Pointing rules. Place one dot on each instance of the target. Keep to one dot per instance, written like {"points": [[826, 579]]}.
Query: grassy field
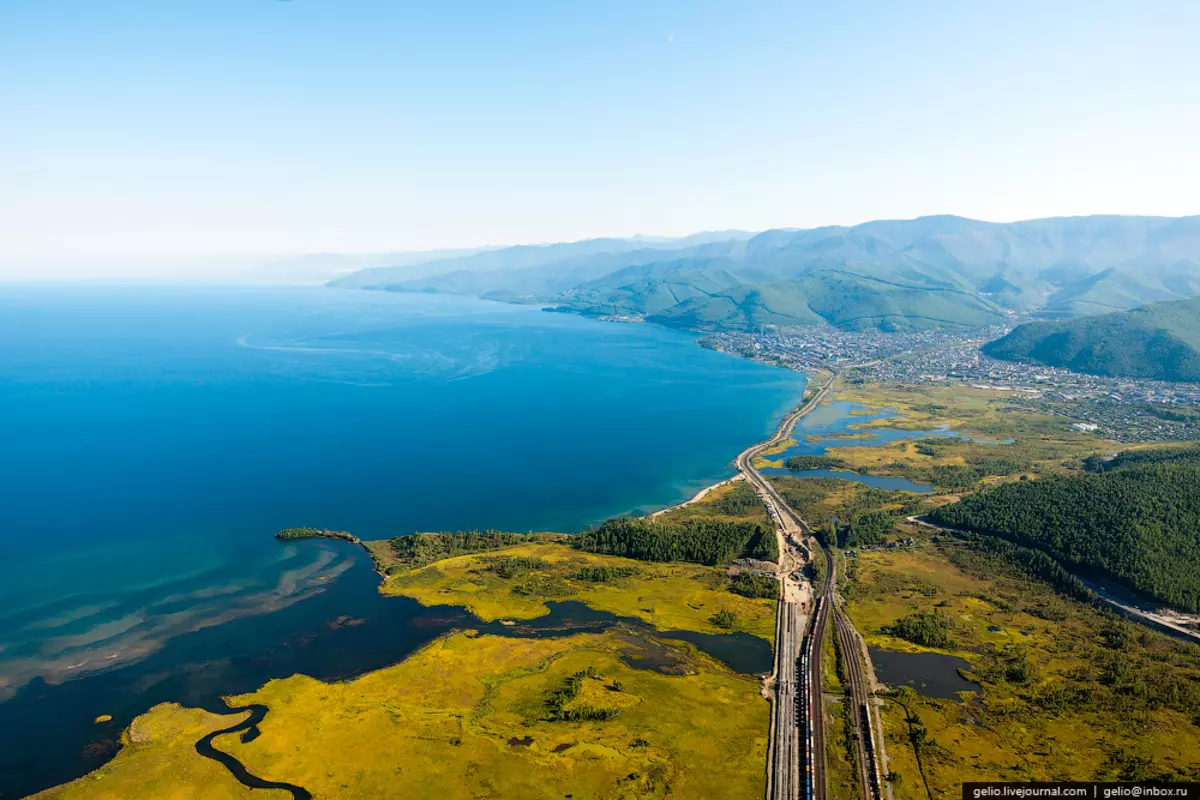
{"points": [[669, 596], [475, 716], [157, 759], [1006, 442], [467, 717], [1067, 690], [470, 717], [841, 772]]}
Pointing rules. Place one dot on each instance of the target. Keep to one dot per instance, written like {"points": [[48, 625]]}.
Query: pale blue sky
{"points": [[196, 127]]}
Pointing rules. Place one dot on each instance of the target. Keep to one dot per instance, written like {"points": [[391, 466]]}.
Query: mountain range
{"points": [[1160, 341], [930, 272]]}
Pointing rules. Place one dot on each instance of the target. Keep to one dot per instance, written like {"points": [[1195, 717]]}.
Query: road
{"points": [[796, 760], [1162, 619], [789, 770]]}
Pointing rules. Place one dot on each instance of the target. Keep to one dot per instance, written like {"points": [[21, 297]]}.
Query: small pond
{"points": [[931, 674]]}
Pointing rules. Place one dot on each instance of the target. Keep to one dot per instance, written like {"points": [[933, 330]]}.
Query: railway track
{"points": [[796, 751], [860, 715], [814, 706]]}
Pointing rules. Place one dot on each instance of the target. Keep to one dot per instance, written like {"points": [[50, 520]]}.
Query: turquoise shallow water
{"points": [[155, 438]]}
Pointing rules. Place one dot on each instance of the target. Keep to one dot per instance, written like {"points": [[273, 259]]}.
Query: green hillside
{"points": [[1159, 341], [1137, 521], [930, 272]]}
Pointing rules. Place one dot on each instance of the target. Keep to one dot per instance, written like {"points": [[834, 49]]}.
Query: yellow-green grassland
{"points": [[1004, 442], [469, 717], [158, 759], [593, 715], [473, 716], [1067, 690], [518, 582]]}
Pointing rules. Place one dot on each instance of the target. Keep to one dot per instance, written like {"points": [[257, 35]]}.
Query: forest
{"points": [[1135, 518], [425, 548], [698, 540], [799, 463]]}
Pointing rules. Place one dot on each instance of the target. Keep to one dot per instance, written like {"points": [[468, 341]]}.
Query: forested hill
{"points": [[941, 271], [1159, 341], [1135, 518]]}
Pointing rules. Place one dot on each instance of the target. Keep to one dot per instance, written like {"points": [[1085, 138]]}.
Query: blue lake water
{"points": [[155, 438], [837, 425]]}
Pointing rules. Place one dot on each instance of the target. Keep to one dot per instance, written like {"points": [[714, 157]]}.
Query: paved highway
{"points": [[796, 761], [788, 767]]}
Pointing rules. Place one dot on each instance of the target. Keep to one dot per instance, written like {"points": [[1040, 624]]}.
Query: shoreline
{"points": [[785, 424], [697, 497]]}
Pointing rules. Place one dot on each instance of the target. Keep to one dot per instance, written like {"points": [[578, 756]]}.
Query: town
{"points": [[1124, 409]]}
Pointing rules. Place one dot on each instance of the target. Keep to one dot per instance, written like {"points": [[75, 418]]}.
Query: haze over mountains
{"points": [[931, 272]]}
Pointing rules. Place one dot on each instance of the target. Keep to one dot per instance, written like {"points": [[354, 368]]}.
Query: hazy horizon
{"points": [[147, 139], [288, 268]]}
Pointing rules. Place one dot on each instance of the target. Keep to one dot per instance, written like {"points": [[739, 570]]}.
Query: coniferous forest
{"points": [[699, 540], [1135, 518]]}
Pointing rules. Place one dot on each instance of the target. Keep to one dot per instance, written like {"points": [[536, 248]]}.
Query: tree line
{"points": [[1137, 520], [697, 540], [425, 548]]}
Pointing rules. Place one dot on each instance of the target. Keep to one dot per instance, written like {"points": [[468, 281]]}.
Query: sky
{"points": [[180, 132]]}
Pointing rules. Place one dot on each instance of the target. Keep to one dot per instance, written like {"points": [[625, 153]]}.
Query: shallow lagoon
{"points": [[837, 425]]}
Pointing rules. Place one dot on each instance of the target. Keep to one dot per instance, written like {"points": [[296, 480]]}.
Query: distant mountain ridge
{"points": [[941, 271], [1160, 341]]}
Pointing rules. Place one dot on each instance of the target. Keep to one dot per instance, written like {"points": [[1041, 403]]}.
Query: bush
{"points": [[724, 619], [603, 574], [513, 566], [749, 584], [926, 628]]}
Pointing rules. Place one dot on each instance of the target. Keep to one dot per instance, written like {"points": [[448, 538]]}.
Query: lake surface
{"points": [[837, 425], [931, 674], [156, 437]]}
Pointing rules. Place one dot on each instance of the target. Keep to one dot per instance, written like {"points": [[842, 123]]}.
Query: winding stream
{"points": [[249, 730]]}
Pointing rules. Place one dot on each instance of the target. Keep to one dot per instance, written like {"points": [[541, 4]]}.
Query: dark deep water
{"points": [[931, 674], [155, 437]]}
